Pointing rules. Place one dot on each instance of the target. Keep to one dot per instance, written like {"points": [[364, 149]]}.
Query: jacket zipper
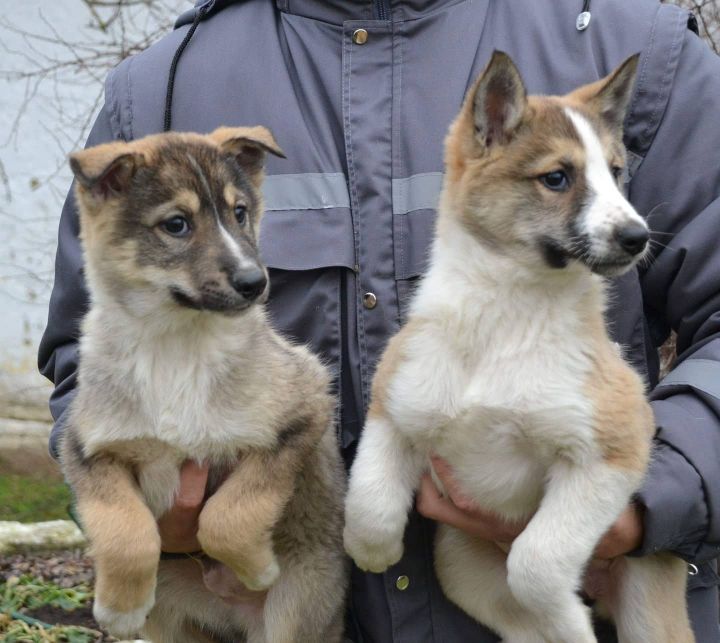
{"points": [[382, 9]]}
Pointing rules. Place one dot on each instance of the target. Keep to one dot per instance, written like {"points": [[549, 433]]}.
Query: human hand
{"points": [[604, 570], [178, 526], [625, 535], [178, 534], [460, 511]]}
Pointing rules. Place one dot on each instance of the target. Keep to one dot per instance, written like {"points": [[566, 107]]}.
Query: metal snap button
{"points": [[369, 300], [360, 36], [402, 583], [583, 21]]}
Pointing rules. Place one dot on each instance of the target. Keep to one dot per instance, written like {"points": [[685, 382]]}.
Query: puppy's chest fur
{"points": [[201, 393], [494, 383]]}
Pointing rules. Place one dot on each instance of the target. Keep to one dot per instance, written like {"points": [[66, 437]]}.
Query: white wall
{"points": [[41, 119]]}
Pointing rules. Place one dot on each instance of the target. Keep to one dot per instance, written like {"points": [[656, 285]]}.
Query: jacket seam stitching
{"points": [[130, 100], [643, 72], [111, 101], [430, 13], [401, 168], [356, 225], [654, 120], [685, 383]]}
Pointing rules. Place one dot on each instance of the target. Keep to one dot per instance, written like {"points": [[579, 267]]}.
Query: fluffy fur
{"points": [[178, 361], [505, 370]]}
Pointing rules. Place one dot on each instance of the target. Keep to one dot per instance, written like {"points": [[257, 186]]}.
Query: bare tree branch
{"points": [[117, 29], [54, 78]]}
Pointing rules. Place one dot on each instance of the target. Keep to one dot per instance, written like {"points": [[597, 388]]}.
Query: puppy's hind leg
{"points": [[473, 575], [547, 560], [649, 602], [306, 604], [183, 632]]}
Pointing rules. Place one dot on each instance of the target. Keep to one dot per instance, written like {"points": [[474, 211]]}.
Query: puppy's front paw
{"points": [[263, 580], [373, 551], [122, 625]]}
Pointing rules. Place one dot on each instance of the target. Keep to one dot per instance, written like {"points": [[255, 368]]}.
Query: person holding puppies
{"points": [[359, 95]]}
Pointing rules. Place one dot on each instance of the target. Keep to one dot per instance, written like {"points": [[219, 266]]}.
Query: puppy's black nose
{"points": [[249, 282], [632, 237]]}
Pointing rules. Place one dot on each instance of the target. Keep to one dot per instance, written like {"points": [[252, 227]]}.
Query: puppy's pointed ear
{"points": [[248, 145], [498, 101], [612, 95], [105, 170]]}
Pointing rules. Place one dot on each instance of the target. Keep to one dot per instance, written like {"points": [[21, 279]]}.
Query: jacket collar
{"points": [[338, 11], [333, 11]]}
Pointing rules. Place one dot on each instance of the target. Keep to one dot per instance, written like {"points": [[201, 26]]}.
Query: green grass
{"points": [[29, 499], [18, 595], [30, 593], [14, 631]]}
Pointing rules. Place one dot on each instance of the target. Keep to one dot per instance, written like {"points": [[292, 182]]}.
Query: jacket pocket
{"points": [[306, 252]]}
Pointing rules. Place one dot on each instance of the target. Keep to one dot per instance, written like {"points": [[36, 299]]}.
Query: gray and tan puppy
{"points": [[177, 361]]}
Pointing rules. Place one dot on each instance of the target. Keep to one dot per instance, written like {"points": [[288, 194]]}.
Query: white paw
{"points": [[265, 579], [373, 551], [122, 625]]}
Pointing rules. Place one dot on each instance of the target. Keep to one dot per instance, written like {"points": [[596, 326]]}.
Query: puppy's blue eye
{"points": [[556, 181], [241, 213], [176, 226]]}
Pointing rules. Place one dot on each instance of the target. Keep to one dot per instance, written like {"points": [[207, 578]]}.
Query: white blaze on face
{"points": [[228, 239], [234, 247], [607, 210]]}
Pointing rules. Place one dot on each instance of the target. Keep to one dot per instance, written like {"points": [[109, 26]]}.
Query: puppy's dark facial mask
{"points": [[176, 217]]}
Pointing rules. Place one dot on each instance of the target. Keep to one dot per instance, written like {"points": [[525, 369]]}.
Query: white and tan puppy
{"points": [[505, 370]]}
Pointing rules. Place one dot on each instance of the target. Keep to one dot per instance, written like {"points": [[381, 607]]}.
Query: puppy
{"points": [[178, 361], [505, 370]]}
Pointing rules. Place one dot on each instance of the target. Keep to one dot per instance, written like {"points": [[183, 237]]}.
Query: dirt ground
{"points": [[65, 570]]}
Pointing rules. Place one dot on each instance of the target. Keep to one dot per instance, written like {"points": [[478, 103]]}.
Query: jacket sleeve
{"points": [[58, 353], [678, 186]]}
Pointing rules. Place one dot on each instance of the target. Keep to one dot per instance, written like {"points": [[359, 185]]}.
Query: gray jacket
{"points": [[351, 212]]}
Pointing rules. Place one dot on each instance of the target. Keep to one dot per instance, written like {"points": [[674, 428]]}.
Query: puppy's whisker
{"points": [[655, 242], [667, 234], [655, 209]]}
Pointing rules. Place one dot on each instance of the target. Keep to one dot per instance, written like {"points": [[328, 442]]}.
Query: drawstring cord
{"points": [[173, 66], [583, 20]]}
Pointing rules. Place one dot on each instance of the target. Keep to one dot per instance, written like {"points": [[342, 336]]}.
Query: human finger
{"points": [[178, 526], [431, 504], [624, 536], [445, 474]]}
